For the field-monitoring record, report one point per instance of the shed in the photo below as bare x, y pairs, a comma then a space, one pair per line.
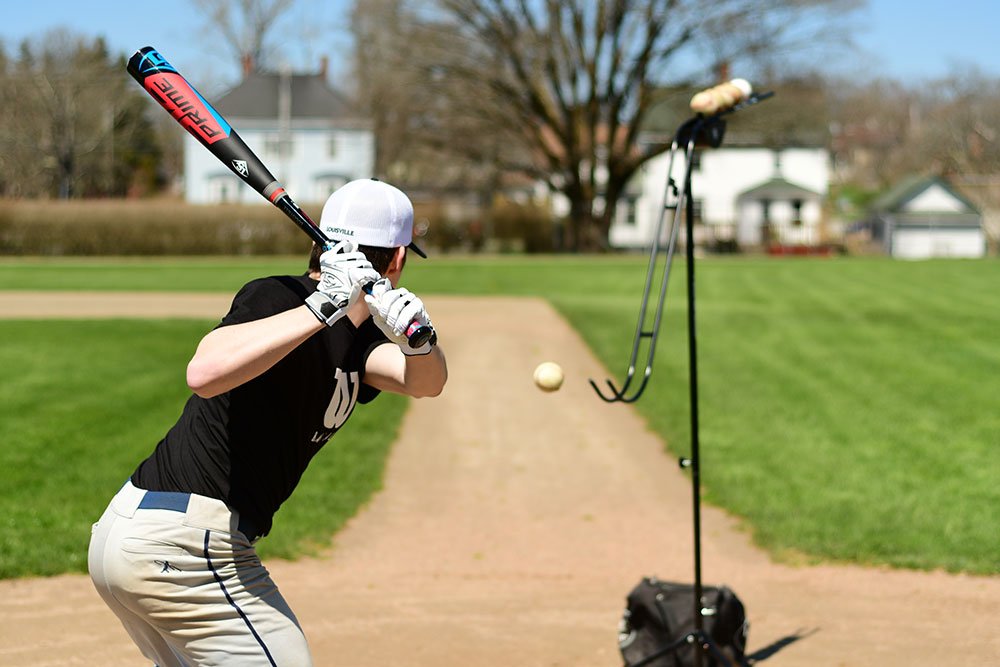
924, 217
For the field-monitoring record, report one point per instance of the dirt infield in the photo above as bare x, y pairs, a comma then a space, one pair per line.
512, 525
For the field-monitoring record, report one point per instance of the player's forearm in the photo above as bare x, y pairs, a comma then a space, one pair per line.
232, 355
425, 375
388, 369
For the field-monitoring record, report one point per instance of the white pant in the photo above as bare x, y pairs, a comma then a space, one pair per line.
188, 586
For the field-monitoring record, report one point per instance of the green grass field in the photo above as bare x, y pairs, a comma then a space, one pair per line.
847, 406
84, 402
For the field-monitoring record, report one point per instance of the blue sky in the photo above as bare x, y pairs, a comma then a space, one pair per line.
908, 39
178, 30
919, 39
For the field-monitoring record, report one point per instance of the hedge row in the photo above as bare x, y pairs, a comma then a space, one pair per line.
168, 227
140, 227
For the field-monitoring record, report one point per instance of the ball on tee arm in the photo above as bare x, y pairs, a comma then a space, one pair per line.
548, 376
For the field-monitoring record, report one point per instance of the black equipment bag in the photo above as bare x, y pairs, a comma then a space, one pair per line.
659, 617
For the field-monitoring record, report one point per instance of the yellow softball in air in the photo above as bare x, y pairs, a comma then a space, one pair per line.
548, 376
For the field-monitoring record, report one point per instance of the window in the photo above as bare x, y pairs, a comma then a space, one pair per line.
796, 212
629, 207
274, 147
223, 189
324, 186
331, 146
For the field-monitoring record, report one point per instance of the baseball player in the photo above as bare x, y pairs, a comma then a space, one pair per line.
173, 555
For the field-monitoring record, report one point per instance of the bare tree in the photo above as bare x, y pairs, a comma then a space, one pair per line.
402, 84
960, 124
558, 91
885, 130
384, 81
79, 128
246, 27
6, 111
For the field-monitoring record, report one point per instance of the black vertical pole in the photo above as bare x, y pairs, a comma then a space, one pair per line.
695, 456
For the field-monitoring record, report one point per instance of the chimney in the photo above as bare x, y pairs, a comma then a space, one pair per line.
247, 64
324, 65
722, 71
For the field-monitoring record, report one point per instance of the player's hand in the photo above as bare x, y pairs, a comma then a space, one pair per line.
344, 271
394, 310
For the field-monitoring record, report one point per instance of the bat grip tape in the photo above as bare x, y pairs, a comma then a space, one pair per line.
270, 189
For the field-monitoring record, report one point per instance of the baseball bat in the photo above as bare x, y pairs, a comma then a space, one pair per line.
173, 92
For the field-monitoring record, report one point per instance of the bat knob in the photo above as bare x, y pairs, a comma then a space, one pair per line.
418, 334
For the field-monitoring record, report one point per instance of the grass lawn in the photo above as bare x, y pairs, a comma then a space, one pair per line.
84, 402
848, 406
194, 274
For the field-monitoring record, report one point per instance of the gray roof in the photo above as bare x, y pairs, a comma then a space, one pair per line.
257, 96
896, 198
779, 188
891, 207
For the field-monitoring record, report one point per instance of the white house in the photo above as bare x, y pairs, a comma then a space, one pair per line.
753, 195
925, 217
304, 132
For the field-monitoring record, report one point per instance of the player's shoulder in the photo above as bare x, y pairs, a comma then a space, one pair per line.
267, 296
297, 287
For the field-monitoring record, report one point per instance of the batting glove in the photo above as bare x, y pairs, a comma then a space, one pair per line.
344, 272
394, 311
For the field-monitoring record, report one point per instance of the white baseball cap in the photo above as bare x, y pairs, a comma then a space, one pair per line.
369, 212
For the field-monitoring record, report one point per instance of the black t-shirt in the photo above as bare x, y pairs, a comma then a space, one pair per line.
250, 445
